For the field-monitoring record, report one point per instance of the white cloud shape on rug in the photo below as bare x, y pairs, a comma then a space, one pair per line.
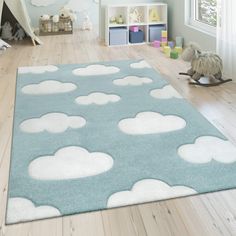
94, 70
22, 209
42, 3
37, 69
148, 190
133, 81
52, 123
208, 148
97, 98
48, 87
151, 123
166, 92
140, 65
70, 163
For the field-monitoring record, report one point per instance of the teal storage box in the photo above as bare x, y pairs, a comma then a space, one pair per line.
136, 37
155, 32
118, 36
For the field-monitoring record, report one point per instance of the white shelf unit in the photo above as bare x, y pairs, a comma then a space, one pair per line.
144, 22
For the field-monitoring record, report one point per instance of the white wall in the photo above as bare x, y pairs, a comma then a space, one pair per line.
177, 26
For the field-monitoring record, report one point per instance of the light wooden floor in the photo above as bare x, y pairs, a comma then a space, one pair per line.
210, 214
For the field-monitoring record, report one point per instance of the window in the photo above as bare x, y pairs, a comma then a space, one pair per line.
203, 15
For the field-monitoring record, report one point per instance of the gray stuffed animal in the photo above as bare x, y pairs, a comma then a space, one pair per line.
203, 64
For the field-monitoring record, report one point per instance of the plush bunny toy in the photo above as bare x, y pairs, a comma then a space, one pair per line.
7, 31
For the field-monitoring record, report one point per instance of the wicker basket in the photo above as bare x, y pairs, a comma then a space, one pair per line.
48, 27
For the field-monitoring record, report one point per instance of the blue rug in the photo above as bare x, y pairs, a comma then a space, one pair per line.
104, 135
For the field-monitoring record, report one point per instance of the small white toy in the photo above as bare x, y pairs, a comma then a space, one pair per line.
87, 24
20, 33
55, 18
45, 17
7, 31
66, 12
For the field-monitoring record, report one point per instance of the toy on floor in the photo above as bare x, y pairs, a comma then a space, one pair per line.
164, 38
87, 24
171, 44
164, 34
20, 33
156, 44
174, 55
179, 41
178, 49
167, 50
203, 64
7, 31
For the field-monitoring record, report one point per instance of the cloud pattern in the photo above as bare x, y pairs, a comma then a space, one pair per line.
140, 65
75, 162
71, 162
37, 69
132, 81
22, 209
96, 70
97, 99
208, 148
48, 87
52, 123
166, 92
151, 123
148, 190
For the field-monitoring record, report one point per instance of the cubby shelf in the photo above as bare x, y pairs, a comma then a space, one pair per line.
143, 15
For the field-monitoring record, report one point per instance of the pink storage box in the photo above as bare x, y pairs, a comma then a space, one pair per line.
156, 44
134, 28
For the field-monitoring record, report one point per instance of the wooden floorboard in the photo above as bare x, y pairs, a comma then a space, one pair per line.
208, 214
